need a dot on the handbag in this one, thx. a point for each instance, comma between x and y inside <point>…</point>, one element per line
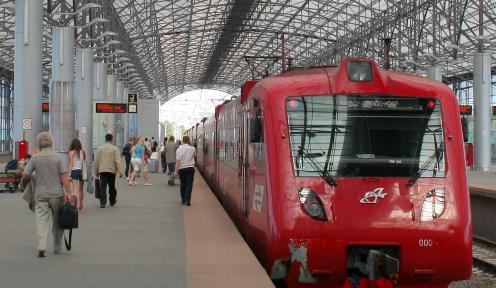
<point>68,219</point>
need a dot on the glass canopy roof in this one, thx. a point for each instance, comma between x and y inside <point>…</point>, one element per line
<point>171,47</point>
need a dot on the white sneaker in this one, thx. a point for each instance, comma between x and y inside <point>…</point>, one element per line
<point>127,178</point>
<point>148,184</point>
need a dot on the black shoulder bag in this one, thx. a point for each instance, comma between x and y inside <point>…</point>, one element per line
<point>68,220</point>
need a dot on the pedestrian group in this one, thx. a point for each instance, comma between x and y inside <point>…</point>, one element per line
<point>50,181</point>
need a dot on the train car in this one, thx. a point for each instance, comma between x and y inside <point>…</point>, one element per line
<point>346,176</point>
<point>200,144</point>
<point>209,162</point>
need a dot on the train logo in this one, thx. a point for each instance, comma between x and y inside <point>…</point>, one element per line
<point>376,194</point>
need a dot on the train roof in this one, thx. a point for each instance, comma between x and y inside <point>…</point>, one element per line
<point>335,80</point>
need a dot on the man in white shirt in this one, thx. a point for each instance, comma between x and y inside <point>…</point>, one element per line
<point>185,168</point>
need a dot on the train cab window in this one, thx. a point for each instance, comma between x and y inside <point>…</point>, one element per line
<point>366,136</point>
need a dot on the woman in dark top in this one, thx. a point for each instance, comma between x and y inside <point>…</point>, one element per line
<point>126,152</point>
<point>162,155</point>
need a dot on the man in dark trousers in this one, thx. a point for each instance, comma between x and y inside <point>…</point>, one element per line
<point>185,168</point>
<point>106,165</point>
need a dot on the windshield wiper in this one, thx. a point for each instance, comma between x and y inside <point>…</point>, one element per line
<point>437,155</point>
<point>326,175</point>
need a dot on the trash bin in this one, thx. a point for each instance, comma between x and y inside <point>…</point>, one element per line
<point>153,166</point>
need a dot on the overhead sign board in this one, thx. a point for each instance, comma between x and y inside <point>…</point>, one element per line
<point>27,124</point>
<point>132,103</point>
<point>132,98</point>
<point>111,108</point>
<point>132,108</point>
<point>465,109</point>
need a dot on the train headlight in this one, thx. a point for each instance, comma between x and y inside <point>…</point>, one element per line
<point>359,71</point>
<point>433,205</point>
<point>311,204</point>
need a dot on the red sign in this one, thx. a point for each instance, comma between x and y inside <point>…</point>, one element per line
<point>45,107</point>
<point>111,108</point>
<point>465,109</point>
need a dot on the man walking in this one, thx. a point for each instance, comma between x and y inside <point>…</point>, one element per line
<point>154,144</point>
<point>106,165</point>
<point>170,156</point>
<point>185,168</point>
<point>51,180</point>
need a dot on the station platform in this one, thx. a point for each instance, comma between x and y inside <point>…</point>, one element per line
<point>482,182</point>
<point>147,240</point>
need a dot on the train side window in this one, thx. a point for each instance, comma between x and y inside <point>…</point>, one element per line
<point>255,130</point>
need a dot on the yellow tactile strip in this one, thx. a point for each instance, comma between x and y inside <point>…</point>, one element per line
<point>216,254</point>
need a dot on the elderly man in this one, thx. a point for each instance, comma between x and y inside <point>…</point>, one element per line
<point>51,181</point>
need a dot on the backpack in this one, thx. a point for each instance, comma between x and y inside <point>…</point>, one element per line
<point>11,165</point>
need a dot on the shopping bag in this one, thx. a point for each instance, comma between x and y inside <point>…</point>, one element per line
<point>90,188</point>
<point>97,188</point>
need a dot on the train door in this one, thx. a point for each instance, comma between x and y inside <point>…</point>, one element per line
<point>244,163</point>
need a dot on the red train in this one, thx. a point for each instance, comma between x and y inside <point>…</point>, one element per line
<point>344,176</point>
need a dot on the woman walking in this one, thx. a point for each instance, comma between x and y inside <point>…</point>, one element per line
<point>137,160</point>
<point>76,158</point>
<point>147,154</point>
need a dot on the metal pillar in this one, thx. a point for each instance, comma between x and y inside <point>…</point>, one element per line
<point>100,123</point>
<point>482,111</point>
<point>84,99</point>
<point>125,117</point>
<point>28,71</point>
<point>111,91</point>
<point>435,73</point>
<point>62,108</point>
<point>119,131</point>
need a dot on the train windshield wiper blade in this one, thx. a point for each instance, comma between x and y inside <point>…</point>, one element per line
<point>326,175</point>
<point>435,156</point>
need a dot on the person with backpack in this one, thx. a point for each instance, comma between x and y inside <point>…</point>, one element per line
<point>77,157</point>
<point>154,144</point>
<point>170,154</point>
<point>52,188</point>
<point>139,162</point>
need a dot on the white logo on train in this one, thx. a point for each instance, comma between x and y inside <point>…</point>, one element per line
<point>371,197</point>
<point>258,198</point>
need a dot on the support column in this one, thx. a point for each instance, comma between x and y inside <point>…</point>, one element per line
<point>125,116</point>
<point>28,70</point>
<point>435,73</point>
<point>482,111</point>
<point>119,126</point>
<point>84,99</point>
<point>62,108</point>
<point>100,122</point>
<point>111,91</point>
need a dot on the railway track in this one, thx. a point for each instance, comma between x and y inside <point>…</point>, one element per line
<point>484,253</point>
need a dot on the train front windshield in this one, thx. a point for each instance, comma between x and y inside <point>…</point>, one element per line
<point>366,136</point>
